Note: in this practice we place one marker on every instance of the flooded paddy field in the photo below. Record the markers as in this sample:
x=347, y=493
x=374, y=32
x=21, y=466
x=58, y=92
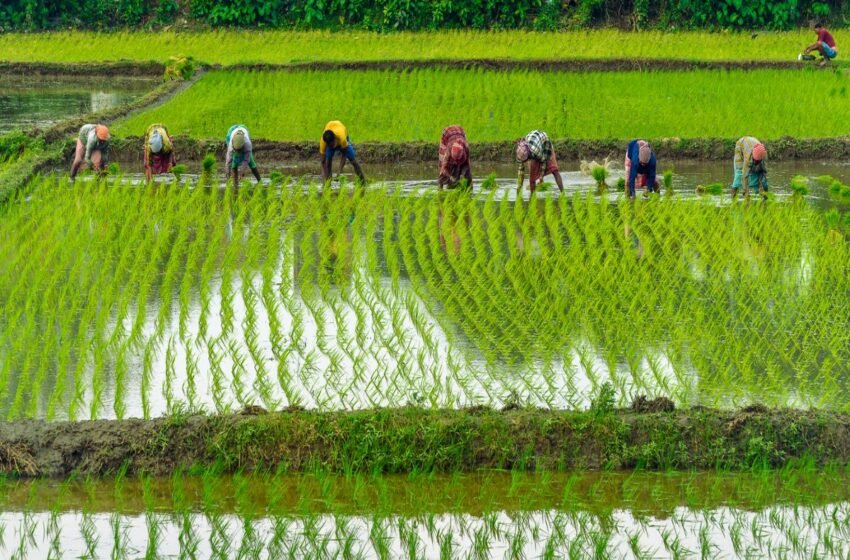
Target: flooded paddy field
x=37, y=102
x=489, y=515
x=147, y=301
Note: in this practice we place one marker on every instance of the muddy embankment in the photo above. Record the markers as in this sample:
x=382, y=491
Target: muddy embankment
x=649, y=435
x=190, y=149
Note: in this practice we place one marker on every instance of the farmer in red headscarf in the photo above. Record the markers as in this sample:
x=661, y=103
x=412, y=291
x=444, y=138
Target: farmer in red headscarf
x=454, y=158
x=750, y=166
x=92, y=148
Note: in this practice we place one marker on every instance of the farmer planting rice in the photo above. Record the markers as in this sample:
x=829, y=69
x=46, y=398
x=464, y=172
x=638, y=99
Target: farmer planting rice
x=159, y=151
x=640, y=168
x=537, y=151
x=750, y=166
x=335, y=140
x=454, y=158
x=825, y=45
x=92, y=148
x=240, y=153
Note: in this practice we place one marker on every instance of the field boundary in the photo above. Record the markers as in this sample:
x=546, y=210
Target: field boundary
x=648, y=436
x=129, y=68
x=709, y=149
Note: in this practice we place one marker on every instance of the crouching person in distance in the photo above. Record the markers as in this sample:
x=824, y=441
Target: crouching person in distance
x=92, y=148
x=240, y=154
x=750, y=166
x=641, y=168
x=537, y=151
x=160, y=155
x=454, y=158
x=335, y=140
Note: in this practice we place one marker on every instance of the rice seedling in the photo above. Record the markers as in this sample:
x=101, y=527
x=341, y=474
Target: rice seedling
x=283, y=105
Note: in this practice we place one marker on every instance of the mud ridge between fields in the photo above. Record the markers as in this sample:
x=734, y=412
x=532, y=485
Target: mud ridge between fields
x=121, y=68
x=651, y=435
x=152, y=68
x=787, y=148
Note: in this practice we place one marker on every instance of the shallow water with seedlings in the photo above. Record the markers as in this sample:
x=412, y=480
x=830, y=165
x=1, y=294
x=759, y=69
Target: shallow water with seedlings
x=125, y=301
x=485, y=515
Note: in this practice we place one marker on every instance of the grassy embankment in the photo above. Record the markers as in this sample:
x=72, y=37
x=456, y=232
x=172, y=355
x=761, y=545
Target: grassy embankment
x=387, y=106
x=411, y=440
x=285, y=47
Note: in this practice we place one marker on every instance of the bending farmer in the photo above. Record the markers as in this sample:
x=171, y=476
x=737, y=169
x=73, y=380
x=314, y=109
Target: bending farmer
x=640, y=168
x=825, y=44
x=750, y=166
x=454, y=158
x=92, y=148
x=536, y=149
x=159, y=151
x=240, y=153
x=335, y=140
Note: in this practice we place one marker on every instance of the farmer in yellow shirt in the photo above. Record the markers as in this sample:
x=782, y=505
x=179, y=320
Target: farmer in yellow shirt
x=335, y=140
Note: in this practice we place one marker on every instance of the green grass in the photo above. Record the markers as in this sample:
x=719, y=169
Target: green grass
x=282, y=47
x=502, y=105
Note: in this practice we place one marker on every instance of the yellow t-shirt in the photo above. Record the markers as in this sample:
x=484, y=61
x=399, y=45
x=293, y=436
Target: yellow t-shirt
x=341, y=136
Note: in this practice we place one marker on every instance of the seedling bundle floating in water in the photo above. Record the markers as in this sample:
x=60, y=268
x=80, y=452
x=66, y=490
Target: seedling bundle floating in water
x=136, y=302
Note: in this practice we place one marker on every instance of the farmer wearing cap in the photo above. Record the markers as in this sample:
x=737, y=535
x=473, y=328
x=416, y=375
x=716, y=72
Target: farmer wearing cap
x=335, y=140
x=750, y=166
x=536, y=149
x=159, y=151
x=92, y=148
x=240, y=153
x=454, y=158
x=640, y=168
x=825, y=44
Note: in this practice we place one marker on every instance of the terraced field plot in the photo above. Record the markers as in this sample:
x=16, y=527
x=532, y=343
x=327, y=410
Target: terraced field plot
x=138, y=302
x=390, y=106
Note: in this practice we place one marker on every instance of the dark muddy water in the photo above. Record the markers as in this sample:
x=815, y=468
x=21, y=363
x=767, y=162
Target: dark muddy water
x=27, y=103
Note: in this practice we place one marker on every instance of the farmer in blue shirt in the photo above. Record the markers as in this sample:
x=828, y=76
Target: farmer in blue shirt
x=640, y=168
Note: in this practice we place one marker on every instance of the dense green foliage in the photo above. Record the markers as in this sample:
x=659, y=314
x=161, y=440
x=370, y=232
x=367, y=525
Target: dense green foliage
x=390, y=106
x=283, y=47
x=130, y=301
x=394, y=15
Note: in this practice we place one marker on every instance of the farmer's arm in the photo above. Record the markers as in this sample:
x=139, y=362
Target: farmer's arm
x=253, y=165
x=227, y=159
x=633, y=168
x=342, y=159
x=148, y=173
x=468, y=176
x=520, y=177
x=650, y=176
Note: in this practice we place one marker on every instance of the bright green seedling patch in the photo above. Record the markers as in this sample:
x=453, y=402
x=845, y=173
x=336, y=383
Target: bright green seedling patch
x=391, y=106
x=122, y=301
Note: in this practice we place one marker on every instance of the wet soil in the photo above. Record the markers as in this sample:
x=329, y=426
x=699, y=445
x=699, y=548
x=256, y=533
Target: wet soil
x=415, y=440
x=787, y=148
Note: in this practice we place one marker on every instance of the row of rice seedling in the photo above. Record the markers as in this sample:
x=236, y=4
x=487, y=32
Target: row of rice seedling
x=503, y=105
x=282, y=517
x=124, y=301
x=283, y=47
